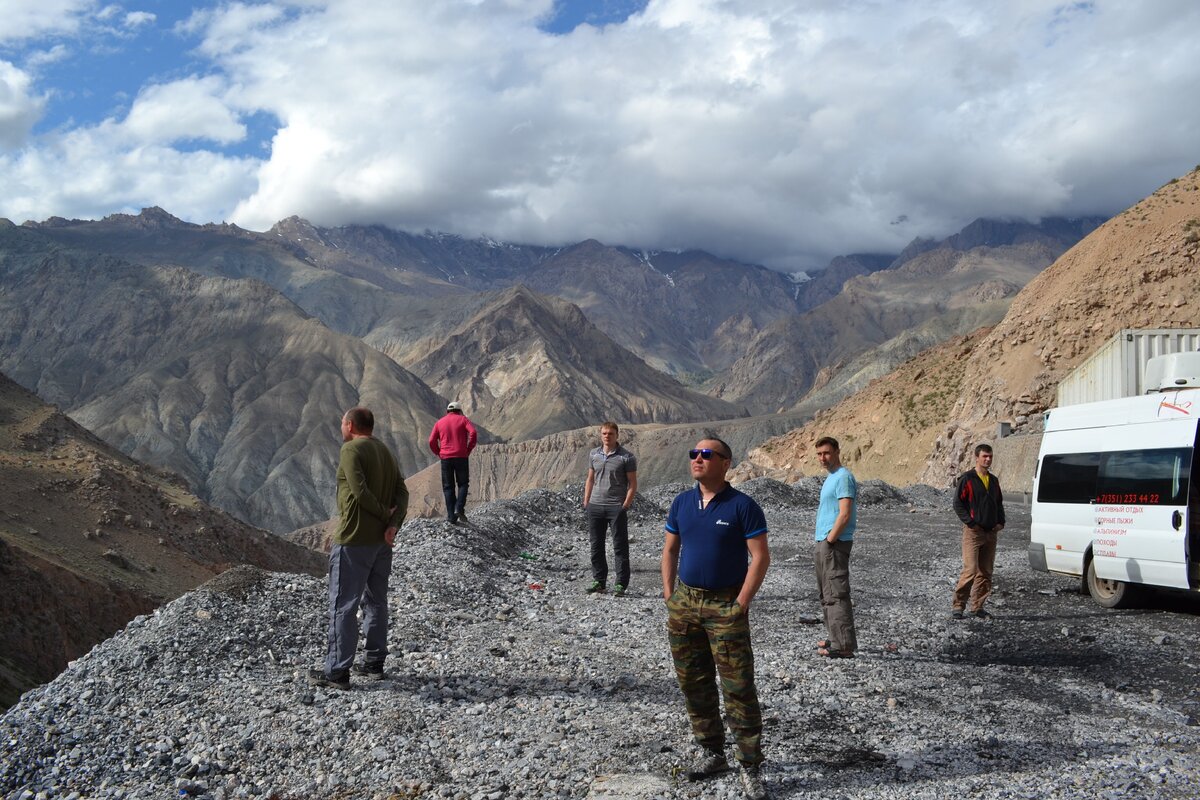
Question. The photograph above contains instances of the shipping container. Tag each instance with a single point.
(1118, 368)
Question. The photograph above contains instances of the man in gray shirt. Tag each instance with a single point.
(607, 494)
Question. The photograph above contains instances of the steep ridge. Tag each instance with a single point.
(943, 290)
(530, 365)
(90, 538)
(225, 382)
(683, 313)
(919, 423)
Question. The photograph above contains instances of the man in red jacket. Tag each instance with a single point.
(452, 440)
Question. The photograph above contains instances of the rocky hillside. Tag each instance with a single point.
(225, 382)
(878, 320)
(505, 680)
(530, 365)
(90, 538)
(919, 423)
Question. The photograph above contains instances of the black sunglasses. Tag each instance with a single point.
(706, 454)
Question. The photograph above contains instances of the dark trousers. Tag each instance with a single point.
(455, 471)
(599, 519)
(832, 562)
(710, 636)
(358, 574)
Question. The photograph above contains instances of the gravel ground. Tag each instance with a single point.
(506, 681)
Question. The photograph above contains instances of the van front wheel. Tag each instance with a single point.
(1110, 594)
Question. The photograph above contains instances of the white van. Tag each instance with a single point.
(1112, 488)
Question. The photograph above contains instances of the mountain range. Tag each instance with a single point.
(227, 355)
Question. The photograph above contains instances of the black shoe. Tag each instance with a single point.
(318, 677)
(452, 519)
(462, 517)
(372, 672)
(981, 614)
(956, 614)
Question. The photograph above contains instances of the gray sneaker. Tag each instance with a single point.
(707, 763)
(371, 672)
(752, 785)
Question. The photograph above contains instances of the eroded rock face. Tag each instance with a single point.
(506, 679)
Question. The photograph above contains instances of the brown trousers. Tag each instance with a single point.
(979, 560)
(832, 562)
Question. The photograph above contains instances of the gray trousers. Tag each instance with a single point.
(833, 583)
(357, 574)
(599, 518)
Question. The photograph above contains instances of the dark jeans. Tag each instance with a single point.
(599, 518)
(455, 471)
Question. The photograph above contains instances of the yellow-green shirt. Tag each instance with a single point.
(369, 482)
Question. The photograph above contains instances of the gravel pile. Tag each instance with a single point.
(506, 681)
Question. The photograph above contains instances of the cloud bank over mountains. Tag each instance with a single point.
(771, 131)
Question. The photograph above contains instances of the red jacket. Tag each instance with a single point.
(453, 436)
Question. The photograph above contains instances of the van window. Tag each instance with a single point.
(1141, 477)
(1146, 477)
(1069, 478)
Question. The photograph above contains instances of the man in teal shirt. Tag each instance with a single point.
(372, 501)
(837, 517)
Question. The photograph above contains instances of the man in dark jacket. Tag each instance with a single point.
(979, 503)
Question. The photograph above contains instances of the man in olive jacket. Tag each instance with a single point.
(372, 501)
(979, 503)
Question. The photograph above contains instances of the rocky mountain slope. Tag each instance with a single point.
(506, 680)
(919, 423)
(89, 538)
(227, 383)
(935, 291)
(529, 365)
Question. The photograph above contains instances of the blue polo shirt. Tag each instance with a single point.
(838, 484)
(713, 553)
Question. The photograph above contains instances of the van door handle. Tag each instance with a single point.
(1176, 520)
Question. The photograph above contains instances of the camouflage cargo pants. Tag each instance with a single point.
(709, 634)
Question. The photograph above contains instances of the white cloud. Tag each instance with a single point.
(19, 108)
(779, 131)
(184, 110)
(136, 19)
(23, 19)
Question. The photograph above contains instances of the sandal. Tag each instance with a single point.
(825, 652)
(824, 644)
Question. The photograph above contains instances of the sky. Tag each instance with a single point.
(774, 132)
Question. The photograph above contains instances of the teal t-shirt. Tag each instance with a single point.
(840, 483)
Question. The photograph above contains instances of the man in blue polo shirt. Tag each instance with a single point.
(716, 545)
